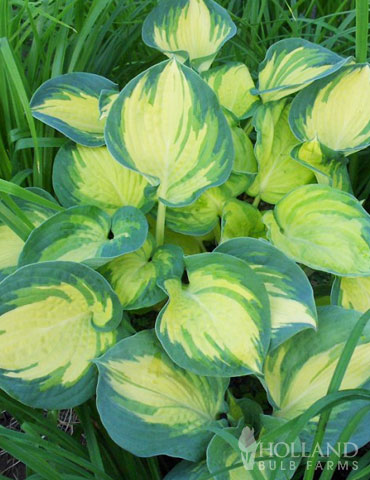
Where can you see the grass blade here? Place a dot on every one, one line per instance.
(334, 386)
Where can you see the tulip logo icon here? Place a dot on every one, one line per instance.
(248, 447)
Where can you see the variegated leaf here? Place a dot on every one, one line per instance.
(55, 318)
(240, 219)
(191, 30)
(10, 244)
(290, 293)
(106, 99)
(232, 83)
(70, 104)
(299, 371)
(167, 124)
(135, 276)
(203, 215)
(331, 119)
(91, 176)
(353, 293)
(86, 234)
(218, 324)
(278, 173)
(329, 168)
(335, 111)
(292, 64)
(150, 406)
(304, 221)
(244, 161)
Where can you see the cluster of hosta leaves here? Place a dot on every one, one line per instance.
(228, 282)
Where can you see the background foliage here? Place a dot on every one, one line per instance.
(43, 39)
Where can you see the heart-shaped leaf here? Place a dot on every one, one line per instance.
(91, 176)
(135, 276)
(232, 83)
(167, 124)
(55, 318)
(191, 30)
(86, 234)
(290, 293)
(150, 406)
(218, 324)
(332, 112)
(331, 120)
(302, 226)
(293, 63)
(70, 104)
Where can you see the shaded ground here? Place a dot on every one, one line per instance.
(9, 466)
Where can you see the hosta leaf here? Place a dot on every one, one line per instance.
(91, 176)
(221, 456)
(190, 245)
(335, 110)
(298, 372)
(86, 234)
(304, 221)
(106, 99)
(70, 104)
(291, 65)
(278, 173)
(290, 293)
(55, 317)
(232, 83)
(353, 293)
(203, 215)
(150, 406)
(330, 168)
(167, 124)
(219, 324)
(190, 29)
(241, 219)
(134, 277)
(244, 159)
(188, 471)
(10, 244)
(10, 248)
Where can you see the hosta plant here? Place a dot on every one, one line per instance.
(194, 211)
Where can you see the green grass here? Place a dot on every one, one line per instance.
(42, 39)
